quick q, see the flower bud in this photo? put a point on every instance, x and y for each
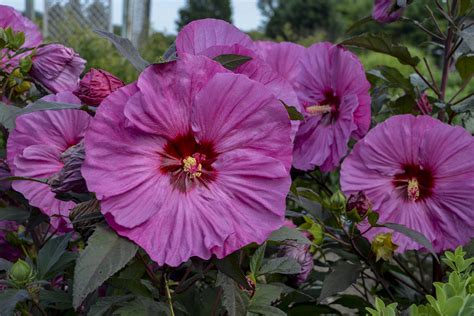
(301, 253)
(21, 273)
(96, 85)
(386, 11)
(360, 203)
(57, 67)
(383, 247)
(424, 104)
(69, 178)
(338, 200)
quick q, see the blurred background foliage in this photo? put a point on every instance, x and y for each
(302, 21)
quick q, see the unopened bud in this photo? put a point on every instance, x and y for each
(383, 247)
(358, 205)
(338, 200)
(21, 273)
(302, 255)
(69, 178)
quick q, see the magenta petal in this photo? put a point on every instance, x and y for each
(199, 35)
(57, 128)
(194, 222)
(62, 97)
(323, 143)
(164, 108)
(282, 57)
(258, 185)
(40, 162)
(131, 169)
(236, 117)
(9, 17)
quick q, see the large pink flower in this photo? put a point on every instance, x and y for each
(34, 150)
(211, 38)
(417, 172)
(334, 91)
(192, 160)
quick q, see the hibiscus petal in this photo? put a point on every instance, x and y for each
(199, 35)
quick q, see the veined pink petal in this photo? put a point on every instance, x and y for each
(199, 35)
(230, 118)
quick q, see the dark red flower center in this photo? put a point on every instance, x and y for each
(415, 183)
(328, 107)
(187, 162)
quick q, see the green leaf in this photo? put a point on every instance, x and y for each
(352, 302)
(50, 254)
(9, 298)
(8, 114)
(5, 265)
(343, 275)
(234, 300)
(359, 23)
(393, 77)
(465, 66)
(466, 105)
(266, 310)
(282, 265)
(170, 53)
(313, 309)
(230, 267)
(232, 61)
(294, 114)
(266, 294)
(143, 307)
(126, 48)
(383, 44)
(286, 233)
(16, 214)
(105, 254)
(132, 285)
(257, 259)
(55, 299)
(104, 304)
(412, 234)
(373, 217)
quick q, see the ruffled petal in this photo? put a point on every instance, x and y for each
(282, 57)
(237, 117)
(320, 142)
(199, 35)
(163, 105)
(56, 128)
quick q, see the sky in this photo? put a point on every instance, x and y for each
(164, 13)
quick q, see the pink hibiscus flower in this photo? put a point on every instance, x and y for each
(334, 91)
(34, 150)
(211, 38)
(417, 172)
(192, 160)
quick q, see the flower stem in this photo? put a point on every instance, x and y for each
(168, 293)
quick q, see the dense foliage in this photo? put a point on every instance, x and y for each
(224, 175)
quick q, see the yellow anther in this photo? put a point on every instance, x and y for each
(413, 189)
(192, 167)
(318, 109)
